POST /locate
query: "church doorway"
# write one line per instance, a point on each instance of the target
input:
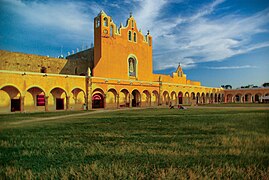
(98, 101)
(59, 104)
(180, 98)
(135, 98)
(15, 105)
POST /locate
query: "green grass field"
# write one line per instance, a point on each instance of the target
(236, 105)
(143, 143)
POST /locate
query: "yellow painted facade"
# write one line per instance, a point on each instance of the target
(119, 75)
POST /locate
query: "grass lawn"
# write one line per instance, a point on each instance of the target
(236, 105)
(144, 143)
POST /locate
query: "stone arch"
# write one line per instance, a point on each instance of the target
(180, 98)
(124, 98)
(54, 87)
(98, 97)
(216, 98)
(198, 98)
(193, 96)
(265, 98)
(229, 98)
(207, 98)
(187, 98)
(111, 98)
(146, 98)
(10, 97)
(173, 98)
(248, 97)
(136, 98)
(238, 98)
(58, 99)
(219, 98)
(155, 98)
(166, 98)
(203, 99)
(78, 99)
(222, 98)
(257, 97)
(211, 98)
(35, 99)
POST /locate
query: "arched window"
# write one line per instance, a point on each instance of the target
(111, 31)
(97, 22)
(134, 37)
(132, 67)
(130, 35)
(132, 23)
(105, 22)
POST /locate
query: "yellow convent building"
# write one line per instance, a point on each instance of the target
(117, 72)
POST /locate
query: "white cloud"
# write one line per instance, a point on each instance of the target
(176, 37)
(232, 67)
(199, 37)
(72, 20)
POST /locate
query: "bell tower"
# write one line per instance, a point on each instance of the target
(122, 53)
(101, 30)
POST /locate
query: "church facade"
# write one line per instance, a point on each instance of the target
(116, 73)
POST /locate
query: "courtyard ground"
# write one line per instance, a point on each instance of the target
(200, 142)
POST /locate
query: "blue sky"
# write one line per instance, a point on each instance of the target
(216, 41)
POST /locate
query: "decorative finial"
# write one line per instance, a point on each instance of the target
(179, 64)
(148, 32)
(131, 14)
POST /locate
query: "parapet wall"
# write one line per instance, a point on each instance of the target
(14, 61)
(176, 80)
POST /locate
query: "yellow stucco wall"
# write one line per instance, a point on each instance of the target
(112, 48)
(16, 85)
(13, 61)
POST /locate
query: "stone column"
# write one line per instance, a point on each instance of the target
(22, 103)
(160, 99)
(67, 103)
(104, 101)
(130, 103)
(46, 103)
(88, 93)
(118, 100)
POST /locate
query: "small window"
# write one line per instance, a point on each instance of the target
(43, 70)
(130, 36)
(132, 23)
(134, 37)
(97, 22)
(40, 100)
(105, 22)
(179, 74)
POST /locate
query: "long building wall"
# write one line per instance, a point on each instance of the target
(11, 61)
(19, 91)
(247, 95)
(23, 88)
